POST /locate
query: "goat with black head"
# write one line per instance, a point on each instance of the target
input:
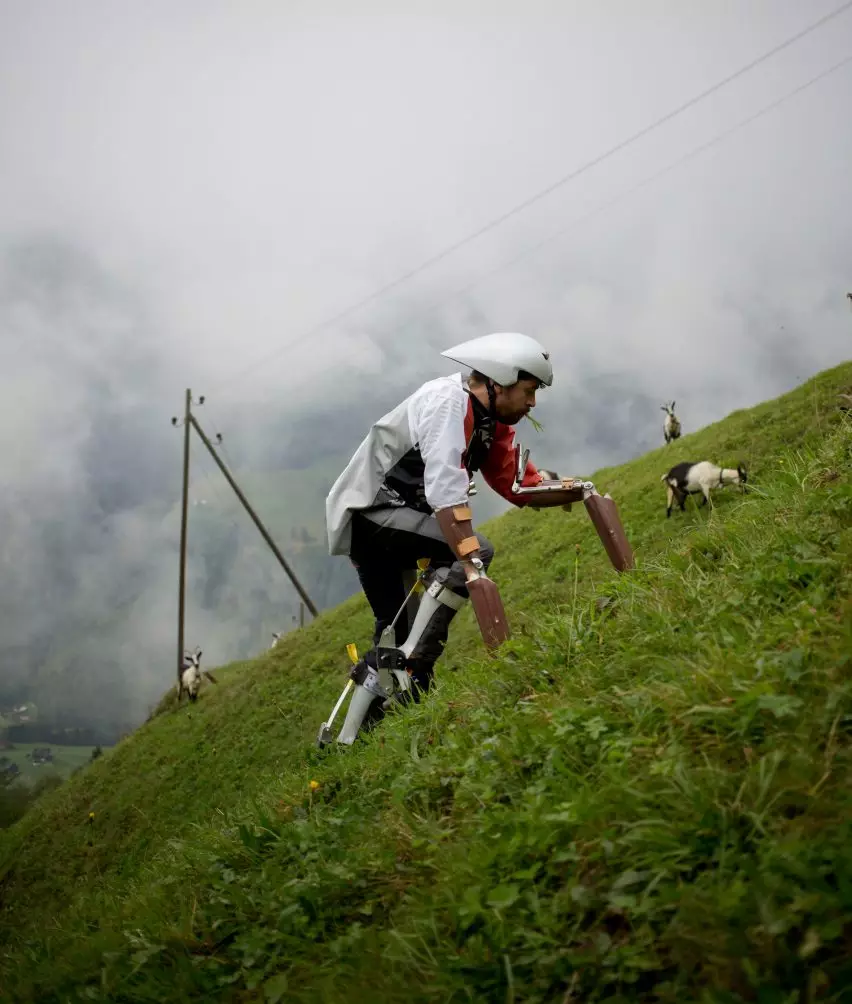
(671, 425)
(690, 479)
(191, 673)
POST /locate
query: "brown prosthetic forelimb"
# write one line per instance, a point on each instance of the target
(603, 513)
(602, 510)
(457, 528)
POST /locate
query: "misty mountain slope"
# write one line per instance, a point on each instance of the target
(90, 510)
(645, 796)
(111, 662)
(85, 470)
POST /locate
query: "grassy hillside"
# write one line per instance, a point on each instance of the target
(646, 796)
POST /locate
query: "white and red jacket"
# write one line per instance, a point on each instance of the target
(421, 454)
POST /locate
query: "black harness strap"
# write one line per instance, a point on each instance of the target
(482, 436)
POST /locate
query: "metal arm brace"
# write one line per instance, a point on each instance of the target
(602, 510)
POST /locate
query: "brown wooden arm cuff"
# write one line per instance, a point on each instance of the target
(457, 527)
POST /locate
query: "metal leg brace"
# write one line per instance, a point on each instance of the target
(389, 679)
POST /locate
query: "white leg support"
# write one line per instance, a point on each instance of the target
(363, 696)
(436, 596)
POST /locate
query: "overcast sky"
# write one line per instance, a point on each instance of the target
(186, 188)
(250, 168)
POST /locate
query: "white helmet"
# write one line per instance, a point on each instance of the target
(502, 356)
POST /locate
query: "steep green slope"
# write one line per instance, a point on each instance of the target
(645, 797)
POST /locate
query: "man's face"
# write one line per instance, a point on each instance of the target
(513, 403)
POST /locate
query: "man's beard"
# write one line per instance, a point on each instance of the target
(513, 418)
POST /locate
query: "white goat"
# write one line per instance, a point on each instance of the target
(276, 637)
(689, 479)
(671, 426)
(191, 673)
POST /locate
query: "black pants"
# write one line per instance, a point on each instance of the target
(388, 542)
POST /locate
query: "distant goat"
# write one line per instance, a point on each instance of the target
(191, 673)
(690, 479)
(276, 637)
(548, 475)
(671, 426)
(845, 401)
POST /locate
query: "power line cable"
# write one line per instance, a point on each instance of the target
(695, 152)
(225, 509)
(692, 154)
(571, 176)
(220, 439)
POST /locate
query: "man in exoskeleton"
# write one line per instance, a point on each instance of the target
(404, 497)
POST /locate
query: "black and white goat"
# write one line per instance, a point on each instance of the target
(671, 426)
(690, 479)
(191, 673)
(276, 637)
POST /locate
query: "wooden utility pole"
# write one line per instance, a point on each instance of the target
(257, 522)
(183, 516)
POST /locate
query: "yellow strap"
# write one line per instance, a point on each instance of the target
(353, 652)
(422, 565)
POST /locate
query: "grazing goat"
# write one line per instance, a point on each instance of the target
(276, 637)
(689, 479)
(191, 673)
(671, 426)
